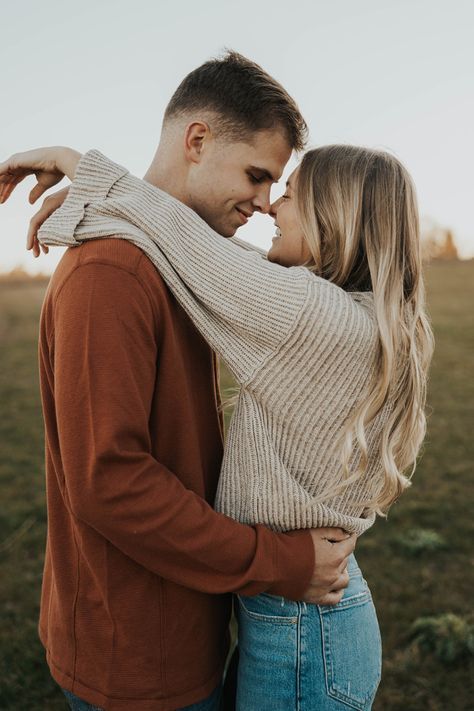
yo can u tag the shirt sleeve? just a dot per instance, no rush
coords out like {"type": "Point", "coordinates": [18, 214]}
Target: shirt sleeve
{"type": "Point", "coordinates": [104, 351]}
{"type": "Point", "coordinates": [243, 305]}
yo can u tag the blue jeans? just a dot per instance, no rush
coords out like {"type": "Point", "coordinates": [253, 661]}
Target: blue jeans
{"type": "Point", "coordinates": [212, 702]}
{"type": "Point", "coordinates": [296, 656]}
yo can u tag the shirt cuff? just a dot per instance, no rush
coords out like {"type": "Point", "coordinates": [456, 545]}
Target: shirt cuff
{"type": "Point", "coordinates": [295, 564]}
{"type": "Point", "coordinates": [95, 176]}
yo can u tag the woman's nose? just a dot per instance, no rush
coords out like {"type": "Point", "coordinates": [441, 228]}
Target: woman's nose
{"type": "Point", "coordinates": [274, 207]}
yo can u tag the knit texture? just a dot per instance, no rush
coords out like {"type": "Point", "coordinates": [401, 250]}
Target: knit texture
{"type": "Point", "coordinates": [301, 349]}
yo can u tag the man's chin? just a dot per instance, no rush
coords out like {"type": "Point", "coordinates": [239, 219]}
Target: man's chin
{"type": "Point", "coordinates": [225, 230]}
{"type": "Point", "coordinates": [228, 232]}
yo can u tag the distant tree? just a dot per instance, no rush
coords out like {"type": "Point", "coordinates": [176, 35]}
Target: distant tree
{"type": "Point", "coordinates": [448, 248]}
{"type": "Point", "coordinates": [438, 243]}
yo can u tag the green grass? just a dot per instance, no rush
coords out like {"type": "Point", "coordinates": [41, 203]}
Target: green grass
{"type": "Point", "coordinates": [435, 581]}
{"type": "Point", "coordinates": [418, 563]}
{"type": "Point", "coordinates": [24, 678]}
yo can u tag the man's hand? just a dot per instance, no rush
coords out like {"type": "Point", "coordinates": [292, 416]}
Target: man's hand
{"type": "Point", "coordinates": [49, 165]}
{"type": "Point", "coordinates": [332, 548]}
{"type": "Point", "coordinates": [50, 205]}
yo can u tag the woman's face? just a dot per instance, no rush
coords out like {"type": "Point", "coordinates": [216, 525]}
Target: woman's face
{"type": "Point", "coordinates": [289, 247]}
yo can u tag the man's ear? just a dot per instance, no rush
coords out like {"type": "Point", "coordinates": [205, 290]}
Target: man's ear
{"type": "Point", "coordinates": [196, 135]}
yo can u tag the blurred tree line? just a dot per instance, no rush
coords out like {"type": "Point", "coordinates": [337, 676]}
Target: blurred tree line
{"type": "Point", "coordinates": [438, 243]}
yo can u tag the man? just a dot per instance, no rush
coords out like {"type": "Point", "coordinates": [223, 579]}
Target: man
{"type": "Point", "coordinates": [139, 568]}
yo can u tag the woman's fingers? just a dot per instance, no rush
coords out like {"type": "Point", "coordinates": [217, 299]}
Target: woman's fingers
{"type": "Point", "coordinates": [36, 192]}
{"type": "Point", "coordinates": [32, 240]}
{"type": "Point", "coordinates": [50, 205]}
{"type": "Point", "coordinates": [35, 223]}
{"type": "Point", "coordinates": [7, 188]}
{"type": "Point", "coordinates": [32, 236]}
{"type": "Point", "coordinates": [10, 176]}
{"type": "Point", "coordinates": [7, 171]}
{"type": "Point", "coordinates": [40, 161]}
{"type": "Point", "coordinates": [36, 249]}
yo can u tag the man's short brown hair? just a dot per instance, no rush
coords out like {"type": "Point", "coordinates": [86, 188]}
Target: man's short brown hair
{"type": "Point", "coordinates": [244, 98]}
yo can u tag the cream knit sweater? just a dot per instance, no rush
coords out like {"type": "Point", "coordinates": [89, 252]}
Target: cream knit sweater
{"type": "Point", "coordinates": [301, 348]}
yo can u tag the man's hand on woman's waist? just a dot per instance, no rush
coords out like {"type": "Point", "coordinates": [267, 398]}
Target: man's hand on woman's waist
{"type": "Point", "coordinates": [332, 548]}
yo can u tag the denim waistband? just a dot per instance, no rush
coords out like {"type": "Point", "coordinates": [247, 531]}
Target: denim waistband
{"type": "Point", "coordinates": [357, 585]}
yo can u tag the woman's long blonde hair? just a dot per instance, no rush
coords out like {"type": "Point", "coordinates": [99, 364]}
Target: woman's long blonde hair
{"type": "Point", "coordinates": [358, 211]}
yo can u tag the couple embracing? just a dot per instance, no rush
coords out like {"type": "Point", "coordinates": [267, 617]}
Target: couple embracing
{"type": "Point", "coordinates": [152, 522]}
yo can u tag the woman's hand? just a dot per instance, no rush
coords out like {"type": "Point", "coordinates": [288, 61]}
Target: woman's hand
{"type": "Point", "coordinates": [50, 205]}
{"type": "Point", "coordinates": [49, 165]}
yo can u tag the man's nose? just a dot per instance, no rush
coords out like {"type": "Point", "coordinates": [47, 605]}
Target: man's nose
{"type": "Point", "coordinates": [261, 202]}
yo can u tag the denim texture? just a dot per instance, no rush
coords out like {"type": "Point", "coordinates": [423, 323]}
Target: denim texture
{"type": "Point", "coordinates": [296, 656]}
{"type": "Point", "coordinates": [212, 703]}
{"type": "Point", "coordinates": [77, 704]}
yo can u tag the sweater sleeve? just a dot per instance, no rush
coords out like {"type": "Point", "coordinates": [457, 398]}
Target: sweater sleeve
{"type": "Point", "coordinates": [243, 305]}
{"type": "Point", "coordinates": [105, 352]}
{"type": "Point", "coordinates": [248, 246]}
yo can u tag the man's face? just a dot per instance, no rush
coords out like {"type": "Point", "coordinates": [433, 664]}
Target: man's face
{"type": "Point", "coordinates": [233, 179]}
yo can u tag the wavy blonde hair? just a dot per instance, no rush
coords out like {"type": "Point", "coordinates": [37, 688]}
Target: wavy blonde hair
{"type": "Point", "coordinates": [358, 211]}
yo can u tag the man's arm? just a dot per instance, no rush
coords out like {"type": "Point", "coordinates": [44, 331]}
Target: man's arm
{"type": "Point", "coordinates": [104, 367]}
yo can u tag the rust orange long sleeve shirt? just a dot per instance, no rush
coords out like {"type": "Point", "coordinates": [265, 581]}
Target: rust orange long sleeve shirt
{"type": "Point", "coordinates": [139, 567]}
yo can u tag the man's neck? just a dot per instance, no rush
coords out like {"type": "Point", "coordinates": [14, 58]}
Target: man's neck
{"type": "Point", "coordinates": [164, 173]}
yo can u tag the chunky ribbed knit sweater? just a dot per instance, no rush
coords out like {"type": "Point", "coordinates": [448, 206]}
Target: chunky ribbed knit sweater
{"type": "Point", "coordinates": [301, 349]}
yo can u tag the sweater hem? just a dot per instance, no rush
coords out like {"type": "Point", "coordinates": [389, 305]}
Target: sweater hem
{"type": "Point", "coordinates": [108, 703]}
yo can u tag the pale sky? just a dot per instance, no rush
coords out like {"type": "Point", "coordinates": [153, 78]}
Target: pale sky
{"type": "Point", "coordinates": [394, 74]}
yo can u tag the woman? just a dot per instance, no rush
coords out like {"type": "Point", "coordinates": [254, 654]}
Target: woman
{"type": "Point", "coordinates": [329, 342]}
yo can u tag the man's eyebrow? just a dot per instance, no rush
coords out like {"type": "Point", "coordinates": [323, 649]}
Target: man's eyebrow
{"type": "Point", "coordinates": [264, 173]}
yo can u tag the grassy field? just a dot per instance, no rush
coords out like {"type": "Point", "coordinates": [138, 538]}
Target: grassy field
{"type": "Point", "coordinates": [418, 563]}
